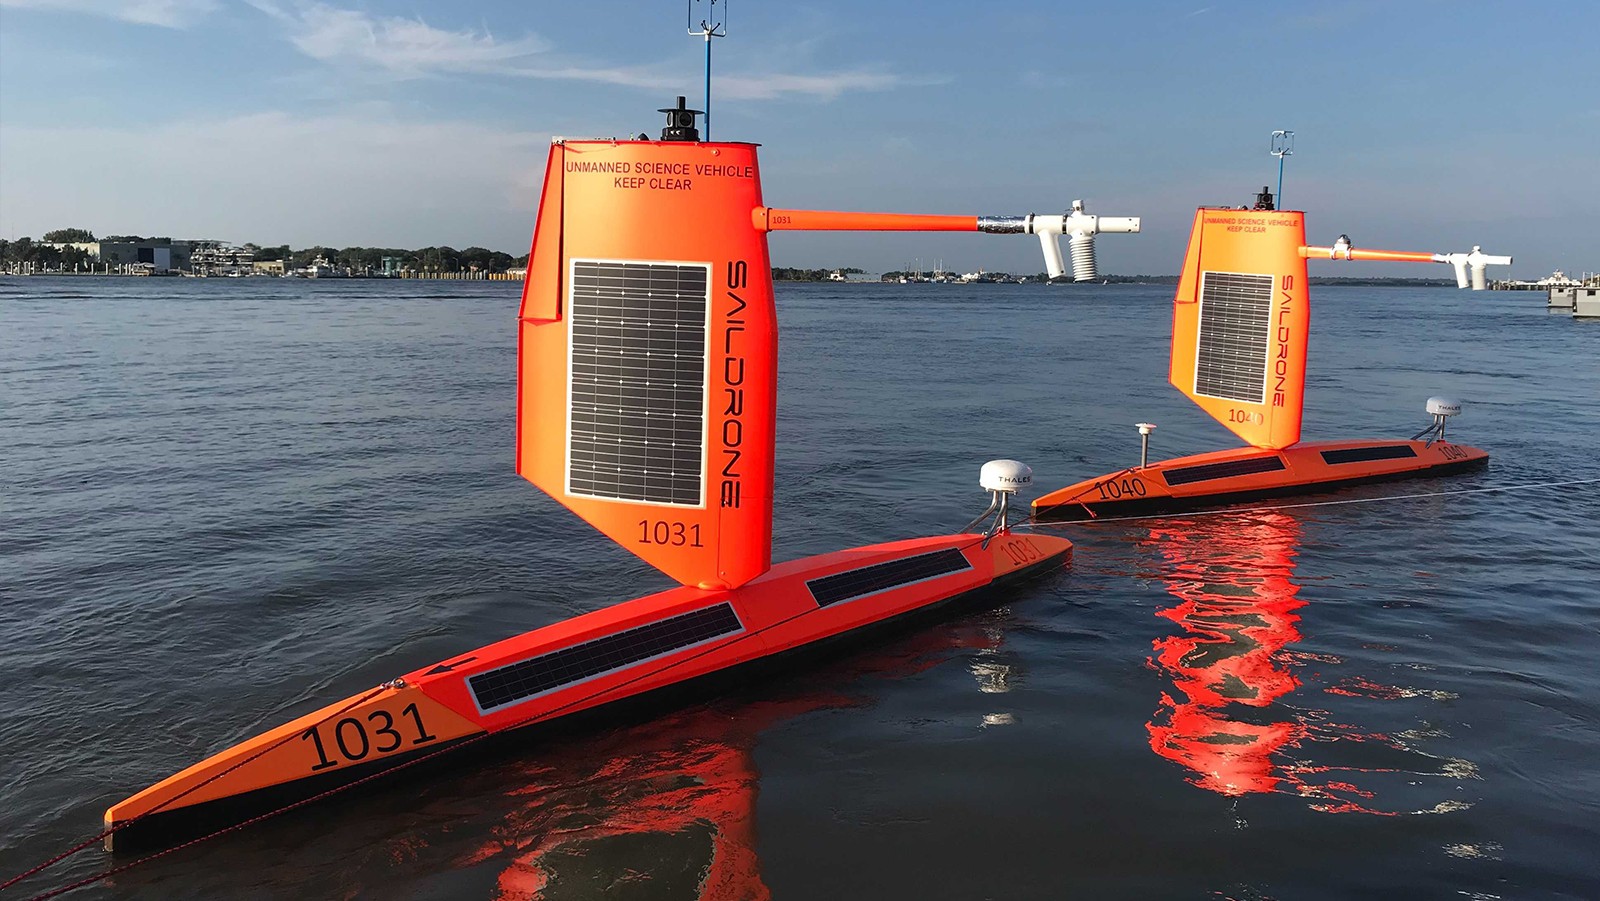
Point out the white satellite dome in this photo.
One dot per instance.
(1005, 475)
(1444, 406)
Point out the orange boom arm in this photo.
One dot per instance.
(1079, 225)
(1469, 267)
(1374, 256)
(768, 219)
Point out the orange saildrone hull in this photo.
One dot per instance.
(1245, 474)
(1241, 318)
(631, 650)
(646, 403)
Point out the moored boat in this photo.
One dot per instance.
(1240, 323)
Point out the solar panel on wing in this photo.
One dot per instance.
(636, 426)
(1235, 325)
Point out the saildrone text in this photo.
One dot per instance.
(733, 370)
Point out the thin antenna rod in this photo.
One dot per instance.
(1282, 146)
(712, 23)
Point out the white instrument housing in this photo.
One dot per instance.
(1080, 227)
(1443, 406)
(1473, 263)
(1005, 476)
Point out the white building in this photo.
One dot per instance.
(161, 254)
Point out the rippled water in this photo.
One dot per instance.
(224, 502)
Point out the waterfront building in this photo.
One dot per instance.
(219, 258)
(1556, 280)
(161, 255)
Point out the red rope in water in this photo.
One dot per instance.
(96, 839)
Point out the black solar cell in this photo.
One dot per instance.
(638, 373)
(1368, 454)
(855, 583)
(524, 679)
(1228, 469)
(1235, 313)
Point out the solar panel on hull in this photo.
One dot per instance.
(1368, 454)
(524, 679)
(636, 427)
(1235, 323)
(856, 583)
(1226, 470)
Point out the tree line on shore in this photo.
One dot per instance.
(53, 251)
(786, 274)
(430, 259)
(45, 254)
(42, 255)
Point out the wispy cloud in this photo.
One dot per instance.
(166, 13)
(400, 46)
(412, 48)
(734, 85)
(824, 84)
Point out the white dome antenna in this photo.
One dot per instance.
(1441, 409)
(1002, 479)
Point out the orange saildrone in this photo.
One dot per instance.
(646, 402)
(1240, 321)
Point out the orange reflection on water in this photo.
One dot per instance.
(1237, 611)
(1232, 668)
(689, 780)
(668, 806)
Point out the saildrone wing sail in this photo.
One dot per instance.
(1239, 323)
(648, 354)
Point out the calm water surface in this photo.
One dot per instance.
(225, 503)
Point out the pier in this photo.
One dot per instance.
(510, 275)
(1582, 300)
(1557, 279)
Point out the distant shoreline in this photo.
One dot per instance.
(1173, 280)
(458, 276)
(500, 276)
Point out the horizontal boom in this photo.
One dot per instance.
(1080, 226)
(1469, 267)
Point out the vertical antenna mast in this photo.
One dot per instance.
(708, 19)
(1282, 146)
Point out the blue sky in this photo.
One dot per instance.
(1419, 125)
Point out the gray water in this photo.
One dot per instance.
(224, 503)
